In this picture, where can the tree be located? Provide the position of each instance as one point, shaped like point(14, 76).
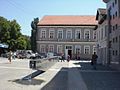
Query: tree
point(33, 34)
point(10, 34)
point(4, 30)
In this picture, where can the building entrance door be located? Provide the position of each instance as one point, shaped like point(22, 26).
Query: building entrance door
point(70, 53)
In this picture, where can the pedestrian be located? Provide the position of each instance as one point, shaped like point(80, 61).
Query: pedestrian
point(94, 60)
point(62, 57)
point(68, 58)
point(10, 56)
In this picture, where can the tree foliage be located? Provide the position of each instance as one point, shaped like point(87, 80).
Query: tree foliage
point(33, 34)
point(10, 34)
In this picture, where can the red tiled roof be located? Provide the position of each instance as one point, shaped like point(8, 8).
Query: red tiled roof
point(68, 20)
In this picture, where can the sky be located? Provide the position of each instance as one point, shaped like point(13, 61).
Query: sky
point(24, 11)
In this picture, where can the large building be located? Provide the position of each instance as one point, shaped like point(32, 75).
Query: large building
point(101, 30)
point(113, 22)
point(73, 35)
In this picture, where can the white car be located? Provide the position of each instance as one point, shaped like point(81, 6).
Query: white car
point(30, 55)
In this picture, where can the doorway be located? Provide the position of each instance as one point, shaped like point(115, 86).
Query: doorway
point(70, 53)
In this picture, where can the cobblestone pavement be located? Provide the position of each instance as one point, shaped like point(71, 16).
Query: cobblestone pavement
point(73, 75)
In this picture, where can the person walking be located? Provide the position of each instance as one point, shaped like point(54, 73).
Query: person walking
point(10, 56)
point(68, 58)
point(94, 60)
point(62, 57)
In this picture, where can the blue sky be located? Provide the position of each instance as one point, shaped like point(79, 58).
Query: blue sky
point(24, 11)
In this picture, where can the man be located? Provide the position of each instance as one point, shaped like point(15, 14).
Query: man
point(94, 60)
point(62, 57)
point(10, 56)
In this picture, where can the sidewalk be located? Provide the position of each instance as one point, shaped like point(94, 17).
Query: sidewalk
point(77, 75)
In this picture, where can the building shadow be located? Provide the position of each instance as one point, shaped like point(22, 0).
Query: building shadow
point(96, 80)
point(104, 78)
point(88, 66)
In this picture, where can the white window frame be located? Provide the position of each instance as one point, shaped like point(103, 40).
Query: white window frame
point(53, 33)
point(43, 30)
point(42, 51)
point(58, 33)
point(94, 49)
point(49, 50)
point(59, 47)
point(68, 33)
point(87, 47)
point(77, 46)
point(77, 30)
point(86, 30)
point(95, 32)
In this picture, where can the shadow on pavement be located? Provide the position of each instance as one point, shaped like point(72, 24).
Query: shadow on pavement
point(28, 82)
point(104, 78)
point(32, 75)
point(101, 80)
point(59, 82)
point(88, 66)
point(29, 79)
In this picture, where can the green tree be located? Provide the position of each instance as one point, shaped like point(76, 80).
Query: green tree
point(4, 30)
point(33, 34)
point(10, 34)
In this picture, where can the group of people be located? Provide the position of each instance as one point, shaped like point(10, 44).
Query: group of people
point(63, 57)
point(93, 60)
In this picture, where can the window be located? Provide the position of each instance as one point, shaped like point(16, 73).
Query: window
point(113, 4)
point(113, 53)
point(105, 30)
point(42, 48)
point(78, 34)
point(87, 34)
point(116, 13)
point(116, 26)
point(69, 47)
point(110, 44)
point(94, 49)
point(43, 33)
point(94, 35)
point(59, 49)
point(110, 30)
point(51, 48)
point(51, 34)
point(116, 39)
point(86, 49)
point(69, 34)
point(60, 34)
point(113, 28)
point(113, 16)
point(113, 40)
point(116, 52)
point(115, 1)
point(77, 49)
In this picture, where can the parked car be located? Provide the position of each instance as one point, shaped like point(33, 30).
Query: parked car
point(4, 55)
point(30, 55)
point(21, 55)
